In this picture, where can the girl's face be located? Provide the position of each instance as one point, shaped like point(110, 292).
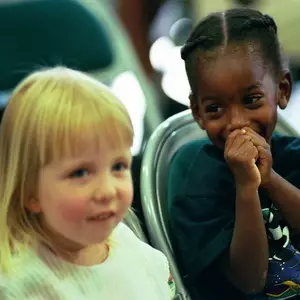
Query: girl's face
point(235, 90)
point(82, 198)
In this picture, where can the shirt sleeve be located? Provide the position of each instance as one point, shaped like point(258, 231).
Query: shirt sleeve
point(292, 156)
point(6, 293)
point(286, 158)
point(157, 262)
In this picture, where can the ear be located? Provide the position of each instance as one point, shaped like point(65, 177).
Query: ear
point(284, 90)
point(33, 206)
point(195, 110)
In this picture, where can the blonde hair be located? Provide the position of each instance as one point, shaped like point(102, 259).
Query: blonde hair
point(44, 116)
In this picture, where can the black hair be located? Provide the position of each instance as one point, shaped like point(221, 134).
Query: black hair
point(237, 25)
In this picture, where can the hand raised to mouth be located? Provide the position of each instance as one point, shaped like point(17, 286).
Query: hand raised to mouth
point(241, 155)
point(264, 161)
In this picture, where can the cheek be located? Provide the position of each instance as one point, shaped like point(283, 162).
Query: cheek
point(216, 132)
point(130, 194)
point(272, 123)
point(73, 210)
point(127, 193)
point(268, 115)
point(213, 128)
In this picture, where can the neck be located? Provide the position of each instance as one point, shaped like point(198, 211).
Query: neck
point(85, 256)
point(73, 252)
point(91, 255)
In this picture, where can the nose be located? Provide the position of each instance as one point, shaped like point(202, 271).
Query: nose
point(104, 189)
point(237, 119)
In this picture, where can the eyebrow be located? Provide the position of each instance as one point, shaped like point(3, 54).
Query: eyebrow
point(126, 157)
point(253, 87)
point(209, 98)
point(216, 98)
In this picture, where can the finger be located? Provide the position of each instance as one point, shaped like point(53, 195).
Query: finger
point(239, 145)
point(232, 136)
point(249, 151)
point(263, 153)
point(256, 138)
point(239, 140)
point(262, 150)
point(252, 132)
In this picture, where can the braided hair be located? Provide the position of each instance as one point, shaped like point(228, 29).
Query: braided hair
point(239, 25)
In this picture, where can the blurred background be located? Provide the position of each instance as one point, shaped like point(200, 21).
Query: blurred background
point(133, 46)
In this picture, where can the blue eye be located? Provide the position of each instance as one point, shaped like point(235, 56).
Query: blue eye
point(120, 166)
point(79, 173)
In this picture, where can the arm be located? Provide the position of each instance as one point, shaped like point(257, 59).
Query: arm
point(247, 263)
point(281, 192)
point(286, 197)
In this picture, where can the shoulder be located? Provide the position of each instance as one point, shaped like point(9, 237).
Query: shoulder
point(286, 158)
point(8, 292)
point(286, 144)
point(184, 160)
point(125, 238)
point(140, 258)
point(188, 153)
point(124, 235)
point(27, 273)
point(286, 151)
point(198, 169)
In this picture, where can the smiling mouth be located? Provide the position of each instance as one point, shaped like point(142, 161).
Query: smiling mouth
point(101, 217)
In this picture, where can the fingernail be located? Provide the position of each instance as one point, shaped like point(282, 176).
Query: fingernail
point(243, 131)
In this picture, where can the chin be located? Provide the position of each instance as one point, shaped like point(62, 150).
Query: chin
point(220, 143)
point(263, 133)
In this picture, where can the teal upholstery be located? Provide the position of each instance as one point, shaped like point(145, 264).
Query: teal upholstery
point(46, 33)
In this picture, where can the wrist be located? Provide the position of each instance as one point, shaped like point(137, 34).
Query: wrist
point(271, 182)
point(246, 187)
point(247, 194)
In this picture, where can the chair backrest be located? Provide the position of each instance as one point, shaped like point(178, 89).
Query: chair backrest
point(47, 32)
point(81, 34)
point(162, 145)
point(126, 60)
point(132, 221)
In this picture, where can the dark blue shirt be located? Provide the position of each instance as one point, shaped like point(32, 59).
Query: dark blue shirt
point(201, 199)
